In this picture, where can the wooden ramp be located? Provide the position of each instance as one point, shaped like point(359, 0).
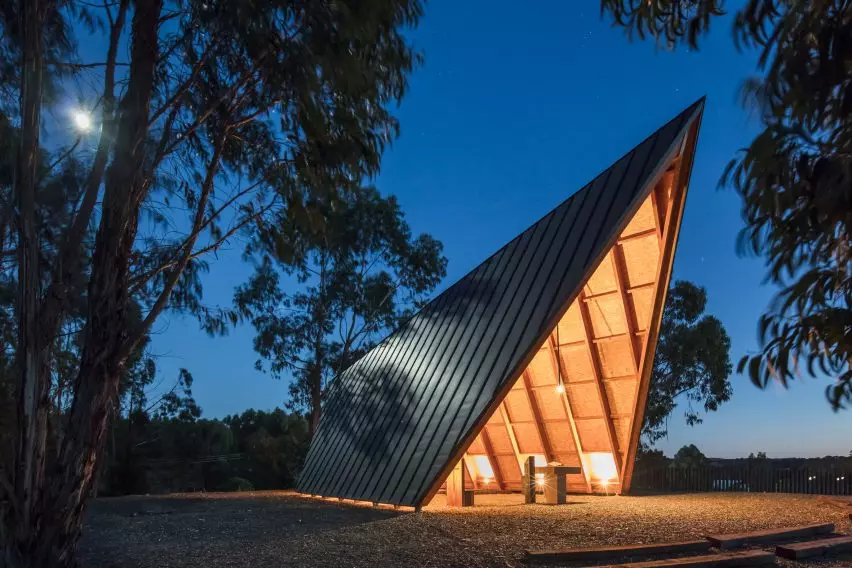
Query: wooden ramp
point(722, 560)
point(800, 550)
point(768, 536)
point(614, 552)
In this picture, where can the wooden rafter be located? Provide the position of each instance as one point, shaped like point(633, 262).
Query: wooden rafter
point(597, 371)
point(509, 430)
point(674, 212)
point(620, 269)
point(558, 371)
point(658, 217)
point(536, 412)
point(492, 458)
point(615, 336)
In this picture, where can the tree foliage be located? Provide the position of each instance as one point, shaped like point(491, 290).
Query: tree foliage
point(274, 445)
point(157, 454)
point(671, 21)
point(794, 178)
point(689, 456)
point(692, 363)
point(210, 117)
point(358, 274)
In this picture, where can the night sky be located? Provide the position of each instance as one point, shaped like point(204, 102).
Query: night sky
point(513, 111)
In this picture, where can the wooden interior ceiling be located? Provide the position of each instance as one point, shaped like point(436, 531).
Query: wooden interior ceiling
point(578, 400)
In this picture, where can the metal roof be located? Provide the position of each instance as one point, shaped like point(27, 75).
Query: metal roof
point(395, 418)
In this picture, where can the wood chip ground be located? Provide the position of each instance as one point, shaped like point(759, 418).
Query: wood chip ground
point(266, 529)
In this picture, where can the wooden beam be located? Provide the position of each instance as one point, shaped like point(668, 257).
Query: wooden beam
point(613, 337)
point(672, 229)
point(620, 266)
point(658, 216)
point(629, 290)
point(528, 485)
point(636, 236)
point(536, 412)
point(456, 494)
point(492, 458)
point(614, 553)
point(509, 430)
point(597, 371)
point(558, 371)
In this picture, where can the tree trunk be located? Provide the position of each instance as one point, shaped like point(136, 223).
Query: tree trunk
point(316, 402)
point(33, 392)
point(315, 378)
point(52, 541)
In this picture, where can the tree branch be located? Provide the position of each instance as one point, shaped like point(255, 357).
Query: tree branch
point(139, 281)
point(180, 266)
point(66, 269)
point(185, 86)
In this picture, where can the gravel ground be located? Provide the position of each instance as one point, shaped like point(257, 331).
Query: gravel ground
point(263, 529)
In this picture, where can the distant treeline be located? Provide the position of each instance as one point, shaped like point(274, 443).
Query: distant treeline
point(253, 450)
point(690, 456)
point(791, 463)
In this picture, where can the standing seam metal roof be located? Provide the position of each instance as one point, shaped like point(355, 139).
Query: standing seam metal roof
point(394, 418)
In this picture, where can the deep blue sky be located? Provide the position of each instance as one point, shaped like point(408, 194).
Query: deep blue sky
point(514, 110)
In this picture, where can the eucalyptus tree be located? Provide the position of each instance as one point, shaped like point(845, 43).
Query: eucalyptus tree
point(794, 177)
point(692, 365)
point(207, 117)
point(357, 275)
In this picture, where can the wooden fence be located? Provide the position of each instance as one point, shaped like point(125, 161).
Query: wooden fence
point(743, 479)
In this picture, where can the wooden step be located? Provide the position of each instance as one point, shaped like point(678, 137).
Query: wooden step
point(615, 552)
point(842, 503)
point(721, 560)
point(728, 541)
point(800, 550)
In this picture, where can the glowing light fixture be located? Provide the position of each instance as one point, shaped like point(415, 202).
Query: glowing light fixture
point(82, 120)
point(560, 388)
point(539, 479)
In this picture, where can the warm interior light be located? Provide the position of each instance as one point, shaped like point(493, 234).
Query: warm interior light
point(82, 120)
point(486, 480)
point(539, 479)
point(482, 468)
point(602, 466)
point(560, 388)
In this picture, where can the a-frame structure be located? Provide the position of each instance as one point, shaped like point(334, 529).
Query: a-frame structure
point(545, 350)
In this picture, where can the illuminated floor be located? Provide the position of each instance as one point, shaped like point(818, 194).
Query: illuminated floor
point(499, 500)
